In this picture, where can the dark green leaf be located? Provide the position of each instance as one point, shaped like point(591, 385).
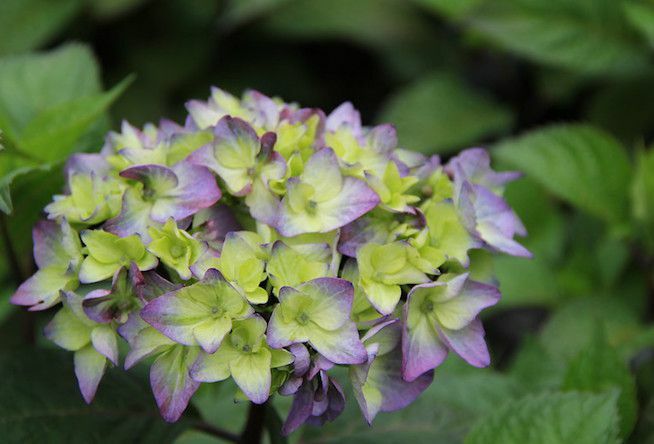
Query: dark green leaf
point(551, 418)
point(599, 368)
point(443, 414)
point(641, 17)
point(578, 163)
point(27, 24)
point(588, 36)
point(439, 113)
point(39, 402)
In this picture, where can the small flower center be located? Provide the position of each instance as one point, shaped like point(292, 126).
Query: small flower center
point(312, 206)
point(217, 312)
point(302, 318)
point(427, 306)
point(246, 348)
point(177, 251)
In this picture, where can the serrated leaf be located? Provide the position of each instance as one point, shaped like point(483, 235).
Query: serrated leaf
point(599, 368)
point(51, 135)
point(578, 163)
point(39, 402)
point(442, 414)
point(551, 418)
point(439, 113)
point(27, 24)
point(587, 36)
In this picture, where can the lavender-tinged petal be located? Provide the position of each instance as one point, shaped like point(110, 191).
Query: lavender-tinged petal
point(98, 306)
point(383, 138)
point(300, 409)
point(89, 369)
point(468, 343)
point(203, 114)
point(251, 372)
point(341, 346)
point(281, 334)
point(422, 350)
point(461, 310)
point(302, 359)
point(41, 291)
point(335, 405)
point(197, 189)
point(103, 339)
point(332, 301)
point(134, 217)
point(147, 342)
point(149, 284)
point(175, 317)
point(171, 383)
point(157, 178)
point(344, 115)
point(86, 164)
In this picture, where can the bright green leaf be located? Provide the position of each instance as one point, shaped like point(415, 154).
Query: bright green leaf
point(32, 83)
point(52, 134)
point(439, 113)
point(578, 163)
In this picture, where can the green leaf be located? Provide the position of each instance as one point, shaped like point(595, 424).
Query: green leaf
point(599, 368)
point(641, 17)
point(52, 134)
point(442, 414)
point(572, 328)
point(642, 194)
point(439, 113)
point(551, 418)
point(376, 23)
point(587, 36)
point(578, 163)
point(454, 9)
point(40, 402)
point(32, 83)
point(11, 167)
point(28, 24)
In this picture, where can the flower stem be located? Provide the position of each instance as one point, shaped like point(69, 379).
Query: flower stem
point(253, 431)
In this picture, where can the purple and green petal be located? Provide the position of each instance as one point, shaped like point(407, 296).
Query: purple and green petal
point(89, 369)
point(171, 382)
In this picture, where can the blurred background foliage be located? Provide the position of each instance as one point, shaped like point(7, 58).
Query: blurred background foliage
point(562, 90)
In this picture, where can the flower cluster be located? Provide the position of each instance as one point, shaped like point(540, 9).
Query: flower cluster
point(268, 243)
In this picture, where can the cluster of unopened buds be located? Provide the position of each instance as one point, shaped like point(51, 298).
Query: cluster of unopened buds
point(269, 243)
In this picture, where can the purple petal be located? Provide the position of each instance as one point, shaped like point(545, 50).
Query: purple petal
point(473, 165)
point(468, 343)
point(300, 409)
point(134, 217)
point(41, 291)
point(89, 368)
point(103, 339)
point(344, 115)
point(383, 138)
point(422, 349)
point(341, 346)
point(149, 284)
point(171, 383)
point(491, 219)
point(158, 178)
point(87, 164)
point(197, 189)
point(98, 305)
point(302, 359)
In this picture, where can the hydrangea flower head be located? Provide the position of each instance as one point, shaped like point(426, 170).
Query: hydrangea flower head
point(269, 243)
